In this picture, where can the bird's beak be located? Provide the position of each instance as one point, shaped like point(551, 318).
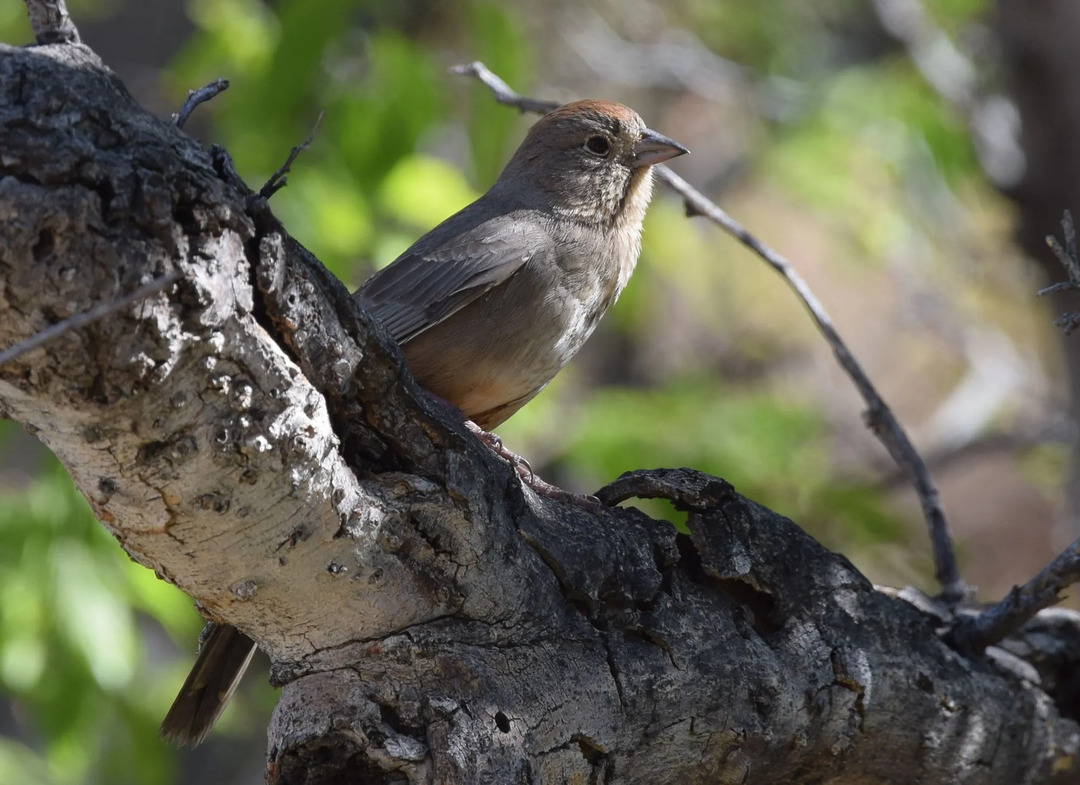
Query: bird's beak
point(654, 148)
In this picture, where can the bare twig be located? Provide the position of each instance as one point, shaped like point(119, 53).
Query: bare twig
point(196, 97)
point(1070, 260)
point(974, 634)
point(879, 418)
point(501, 91)
point(87, 317)
point(278, 179)
point(50, 22)
point(1068, 256)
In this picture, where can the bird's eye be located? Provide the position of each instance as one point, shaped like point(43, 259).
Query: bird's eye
point(598, 145)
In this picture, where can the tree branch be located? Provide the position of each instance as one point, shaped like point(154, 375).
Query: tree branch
point(501, 91)
point(1021, 604)
point(279, 179)
point(50, 22)
point(1069, 258)
point(196, 97)
point(256, 439)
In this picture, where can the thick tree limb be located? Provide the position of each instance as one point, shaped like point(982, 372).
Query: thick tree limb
point(256, 440)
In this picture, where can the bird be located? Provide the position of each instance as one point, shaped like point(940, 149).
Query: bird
point(490, 304)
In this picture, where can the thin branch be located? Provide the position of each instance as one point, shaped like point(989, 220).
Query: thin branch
point(501, 91)
point(1021, 604)
point(278, 179)
point(1070, 260)
point(87, 317)
point(50, 22)
point(878, 417)
point(1067, 255)
point(196, 97)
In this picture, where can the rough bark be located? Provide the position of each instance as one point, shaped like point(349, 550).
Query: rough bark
point(253, 438)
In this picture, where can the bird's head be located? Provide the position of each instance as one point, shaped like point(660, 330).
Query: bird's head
point(590, 161)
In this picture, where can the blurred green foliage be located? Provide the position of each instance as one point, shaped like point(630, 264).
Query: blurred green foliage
point(368, 186)
point(401, 146)
point(74, 618)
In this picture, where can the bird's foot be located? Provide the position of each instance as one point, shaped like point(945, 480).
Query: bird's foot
point(528, 476)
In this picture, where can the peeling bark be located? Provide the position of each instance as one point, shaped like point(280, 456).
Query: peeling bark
point(255, 439)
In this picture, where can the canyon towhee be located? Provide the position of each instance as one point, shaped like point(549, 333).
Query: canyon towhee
point(490, 304)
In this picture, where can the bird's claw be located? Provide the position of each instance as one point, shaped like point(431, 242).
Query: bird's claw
point(530, 477)
point(554, 492)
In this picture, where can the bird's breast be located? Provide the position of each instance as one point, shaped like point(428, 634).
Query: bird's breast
point(500, 350)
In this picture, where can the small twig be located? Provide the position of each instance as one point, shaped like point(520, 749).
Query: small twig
point(196, 97)
point(50, 22)
point(879, 418)
point(1067, 255)
point(87, 317)
point(1060, 286)
point(501, 91)
point(1070, 260)
point(278, 179)
point(1020, 605)
point(1067, 322)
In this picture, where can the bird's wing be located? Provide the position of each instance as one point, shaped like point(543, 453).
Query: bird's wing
point(431, 281)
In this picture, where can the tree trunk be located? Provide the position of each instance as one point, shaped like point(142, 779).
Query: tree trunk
point(254, 438)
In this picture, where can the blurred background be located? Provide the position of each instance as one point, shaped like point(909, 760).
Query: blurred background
point(909, 157)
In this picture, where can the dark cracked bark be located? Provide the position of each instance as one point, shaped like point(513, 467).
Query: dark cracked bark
point(254, 438)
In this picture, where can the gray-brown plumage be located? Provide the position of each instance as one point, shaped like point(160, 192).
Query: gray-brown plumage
point(224, 654)
point(491, 303)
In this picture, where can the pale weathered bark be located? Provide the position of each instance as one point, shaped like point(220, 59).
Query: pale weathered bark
point(254, 439)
